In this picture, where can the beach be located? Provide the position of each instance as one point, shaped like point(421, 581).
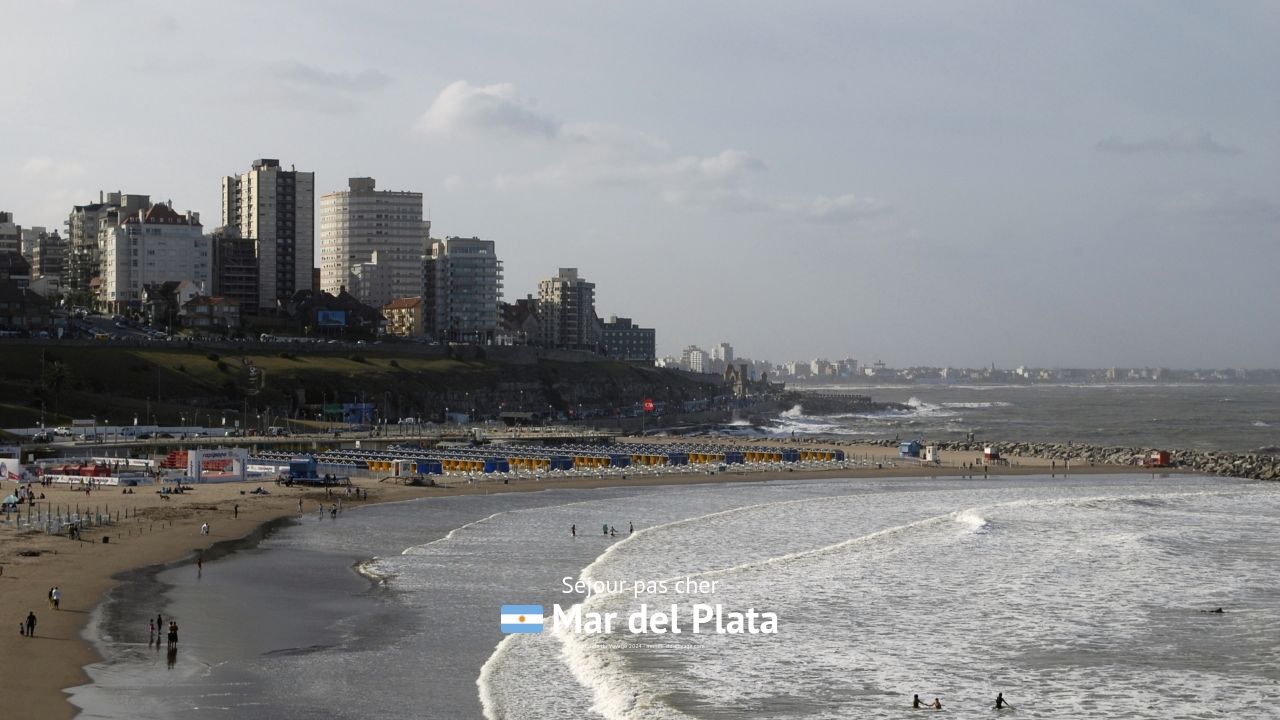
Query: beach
point(159, 532)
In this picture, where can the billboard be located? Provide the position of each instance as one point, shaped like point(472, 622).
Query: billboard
point(331, 318)
point(10, 464)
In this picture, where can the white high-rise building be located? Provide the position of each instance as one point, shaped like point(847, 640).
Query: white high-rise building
point(276, 209)
point(85, 226)
point(463, 290)
point(568, 307)
point(154, 246)
point(723, 352)
point(361, 227)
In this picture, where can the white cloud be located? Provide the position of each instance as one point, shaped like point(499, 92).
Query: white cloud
point(300, 73)
point(609, 156)
point(45, 168)
point(466, 109)
point(1201, 143)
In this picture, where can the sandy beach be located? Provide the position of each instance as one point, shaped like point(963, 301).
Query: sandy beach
point(156, 531)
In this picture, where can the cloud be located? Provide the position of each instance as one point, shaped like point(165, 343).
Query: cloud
point(1224, 209)
point(1201, 143)
point(466, 109)
point(299, 73)
point(45, 168)
point(609, 156)
point(296, 86)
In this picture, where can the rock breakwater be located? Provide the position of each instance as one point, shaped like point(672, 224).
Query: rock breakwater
point(1256, 466)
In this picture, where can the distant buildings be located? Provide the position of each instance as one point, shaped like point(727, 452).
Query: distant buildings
point(722, 352)
point(695, 359)
point(371, 242)
point(10, 233)
point(153, 246)
point(82, 267)
point(567, 305)
point(276, 209)
point(405, 317)
point(462, 290)
point(235, 268)
point(621, 339)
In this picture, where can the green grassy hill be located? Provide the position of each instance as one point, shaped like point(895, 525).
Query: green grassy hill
point(116, 384)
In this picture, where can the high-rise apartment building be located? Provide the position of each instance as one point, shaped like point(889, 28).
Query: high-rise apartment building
point(371, 242)
point(276, 209)
point(85, 227)
point(462, 284)
point(152, 247)
point(568, 307)
point(235, 268)
point(10, 233)
point(722, 352)
point(45, 251)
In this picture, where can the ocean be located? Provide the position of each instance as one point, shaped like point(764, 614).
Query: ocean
point(1225, 417)
point(1077, 597)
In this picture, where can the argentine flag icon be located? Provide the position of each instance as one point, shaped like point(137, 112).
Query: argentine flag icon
point(521, 618)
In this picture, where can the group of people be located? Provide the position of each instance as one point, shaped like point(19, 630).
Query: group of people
point(606, 528)
point(55, 598)
point(157, 626)
point(917, 703)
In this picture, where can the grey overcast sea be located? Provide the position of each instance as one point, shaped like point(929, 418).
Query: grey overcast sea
point(1077, 597)
point(1226, 417)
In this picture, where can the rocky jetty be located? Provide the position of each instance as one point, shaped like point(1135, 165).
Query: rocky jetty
point(1257, 466)
point(835, 403)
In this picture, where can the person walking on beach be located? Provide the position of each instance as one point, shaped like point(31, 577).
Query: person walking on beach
point(236, 511)
point(151, 632)
point(573, 530)
point(631, 527)
point(299, 506)
point(173, 633)
point(50, 598)
point(204, 529)
point(31, 624)
point(56, 595)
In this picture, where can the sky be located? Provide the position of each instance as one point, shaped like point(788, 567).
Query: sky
point(1083, 184)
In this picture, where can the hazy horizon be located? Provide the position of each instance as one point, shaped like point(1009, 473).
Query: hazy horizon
point(1053, 185)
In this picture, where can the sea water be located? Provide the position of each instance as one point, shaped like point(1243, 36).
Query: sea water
point(1075, 597)
point(1219, 416)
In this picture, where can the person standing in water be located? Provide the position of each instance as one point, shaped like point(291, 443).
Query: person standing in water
point(916, 704)
point(1000, 703)
point(937, 704)
point(573, 530)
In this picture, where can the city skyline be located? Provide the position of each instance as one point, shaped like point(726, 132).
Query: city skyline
point(964, 185)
